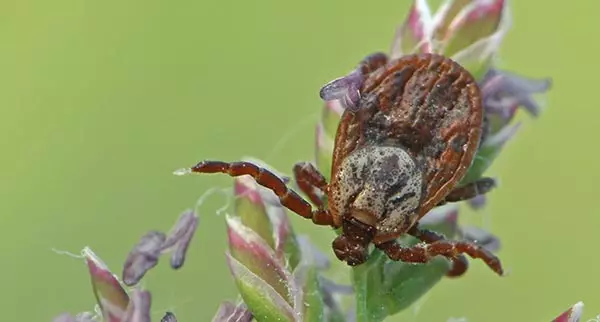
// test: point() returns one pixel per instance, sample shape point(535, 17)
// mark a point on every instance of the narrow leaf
point(445, 15)
point(265, 303)
point(256, 255)
point(110, 295)
point(477, 56)
point(478, 20)
point(415, 34)
point(249, 206)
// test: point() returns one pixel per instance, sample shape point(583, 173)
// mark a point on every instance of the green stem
point(368, 282)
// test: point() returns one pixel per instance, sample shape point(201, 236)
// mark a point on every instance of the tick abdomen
point(380, 186)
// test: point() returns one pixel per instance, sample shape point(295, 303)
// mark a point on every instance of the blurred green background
point(102, 100)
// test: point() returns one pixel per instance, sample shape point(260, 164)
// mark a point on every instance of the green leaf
point(110, 295)
point(265, 303)
point(314, 306)
point(250, 207)
point(476, 21)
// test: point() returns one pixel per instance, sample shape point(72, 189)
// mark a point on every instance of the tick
point(408, 136)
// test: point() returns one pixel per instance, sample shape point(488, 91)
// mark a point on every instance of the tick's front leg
point(311, 182)
point(288, 197)
point(471, 190)
point(423, 253)
point(459, 264)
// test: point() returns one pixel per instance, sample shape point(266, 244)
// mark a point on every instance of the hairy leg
point(423, 253)
point(310, 181)
point(288, 197)
point(459, 263)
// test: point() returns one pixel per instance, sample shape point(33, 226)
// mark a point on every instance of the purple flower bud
point(477, 202)
point(503, 92)
point(145, 255)
point(480, 237)
point(345, 90)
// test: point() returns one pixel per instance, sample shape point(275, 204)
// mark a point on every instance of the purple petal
point(345, 90)
point(477, 202)
point(230, 313)
point(313, 253)
point(190, 220)
point(187, 222)
point(415, 34)
point(480, 237)
point(332, 287)
point(143, 257)
point(444, 214)
point(505, 89)
point(501, 137)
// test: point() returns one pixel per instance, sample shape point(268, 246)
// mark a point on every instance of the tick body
point(400, 151)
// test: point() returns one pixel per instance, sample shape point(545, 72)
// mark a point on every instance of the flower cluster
point(280, 275)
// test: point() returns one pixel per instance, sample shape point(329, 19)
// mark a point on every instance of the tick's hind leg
point(423, 253)
point(288, 197)
point(459, 263)
point(471, 190)
point(311, 182)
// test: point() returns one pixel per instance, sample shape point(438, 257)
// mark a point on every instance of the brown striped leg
point(459, 263)
point(288, 197)
point(423, 253)
point(309, 179)
point(372, 62)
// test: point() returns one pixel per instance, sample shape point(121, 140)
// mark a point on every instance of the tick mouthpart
point(352, 246)
point(350, 251)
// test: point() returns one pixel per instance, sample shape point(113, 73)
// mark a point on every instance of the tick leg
point(423, 253)
point(459, 263)
point(372, 62)
point(310, 181)
point(288, 197)
point(471, 190)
